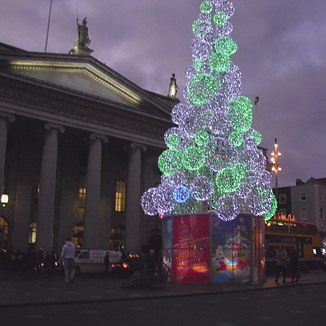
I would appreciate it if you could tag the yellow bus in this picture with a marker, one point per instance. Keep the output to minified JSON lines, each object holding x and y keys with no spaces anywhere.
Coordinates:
{"x":292,"y":235}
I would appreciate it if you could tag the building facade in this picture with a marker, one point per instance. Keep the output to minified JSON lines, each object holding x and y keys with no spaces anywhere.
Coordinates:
{"x":306,"y":201}
{"x":78,"y":146}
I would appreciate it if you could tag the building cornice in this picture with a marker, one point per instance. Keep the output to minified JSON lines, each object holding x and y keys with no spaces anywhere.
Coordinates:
{"x":44,"y":103}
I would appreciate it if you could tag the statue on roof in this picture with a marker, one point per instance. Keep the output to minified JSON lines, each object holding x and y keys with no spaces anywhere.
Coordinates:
{"x":83,"y":38}
{"x":173,"y":87}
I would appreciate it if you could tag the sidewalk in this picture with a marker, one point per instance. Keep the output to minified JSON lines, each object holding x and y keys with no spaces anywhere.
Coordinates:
{"x":31,"y":289}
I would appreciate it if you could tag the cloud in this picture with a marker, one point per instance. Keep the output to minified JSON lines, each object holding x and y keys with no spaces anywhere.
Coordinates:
{"x":281,"y":57}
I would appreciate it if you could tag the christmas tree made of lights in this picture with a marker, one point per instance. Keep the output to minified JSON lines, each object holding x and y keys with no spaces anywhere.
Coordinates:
{"x":213,"y":163}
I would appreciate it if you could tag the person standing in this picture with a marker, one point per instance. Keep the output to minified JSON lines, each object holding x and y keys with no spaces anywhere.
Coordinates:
{"x":107,"y":262}
{"x":280,"y":257}
{"x":68,"y":259}
{"x":294,"y":266}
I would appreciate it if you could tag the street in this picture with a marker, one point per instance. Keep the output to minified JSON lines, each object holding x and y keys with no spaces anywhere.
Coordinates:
{"x":282,"y":306}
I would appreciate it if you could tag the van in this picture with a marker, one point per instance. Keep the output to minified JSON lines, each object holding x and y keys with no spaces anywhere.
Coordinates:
{"x":92,"y":260}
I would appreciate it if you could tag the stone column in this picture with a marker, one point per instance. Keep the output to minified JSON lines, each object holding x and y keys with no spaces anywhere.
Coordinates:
{"x":92,"y":220}
{"x":45,"y":217}
{"x":22,"y":215}
{"x":133,"y":236}
{"x":4,"y":119}
{"x":70,"y":182}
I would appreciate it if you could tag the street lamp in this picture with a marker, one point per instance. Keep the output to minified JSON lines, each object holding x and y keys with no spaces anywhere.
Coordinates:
{"x":4,"y":199}
{"x":276,"y":168}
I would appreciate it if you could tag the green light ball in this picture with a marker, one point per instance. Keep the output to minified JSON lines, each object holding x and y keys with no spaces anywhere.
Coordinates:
{"x":226,"y":181}
{"x":201,"y":88}
{"x":242,"y":103}
{"x":201,"y":138}
{"x":170,"y":162}
{"x":173,"y":141}
{"x":226,"y":45}
{"x":240,"y":122}
{"x":220,"y":18}
{"x":220,"y":61}
{"x":239,"y":172}
{"x":240,"y":114}
{"x":206,"y":7}
{"x":193,"y":159}
{"x":236,"y":138}
{"x":256,"y":137}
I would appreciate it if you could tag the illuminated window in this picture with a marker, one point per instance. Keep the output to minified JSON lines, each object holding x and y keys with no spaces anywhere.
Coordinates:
{"x":32,"y":232}
{"x":77,"y":235}
{"x":82,"y":197}
{"x":120,"y":196}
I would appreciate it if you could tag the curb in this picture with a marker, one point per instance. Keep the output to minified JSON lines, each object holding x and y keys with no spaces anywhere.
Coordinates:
{"x":138,"y":298}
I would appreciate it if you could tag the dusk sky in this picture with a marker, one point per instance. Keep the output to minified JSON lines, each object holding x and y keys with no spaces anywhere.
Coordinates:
{"x":282,"y":50}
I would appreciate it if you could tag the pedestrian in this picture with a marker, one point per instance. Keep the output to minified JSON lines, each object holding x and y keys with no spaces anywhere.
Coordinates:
{"x":280,"y":259}
{"x":39,"y":261}
{"x":294,"y":266}
{"x":68,"y":259}
{"x":151,"y":260}
{"x":107,"y":262}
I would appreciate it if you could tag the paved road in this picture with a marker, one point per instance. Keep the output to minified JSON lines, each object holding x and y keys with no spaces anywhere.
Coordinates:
{"x":16,"y":289}
{"x":282,"y":306}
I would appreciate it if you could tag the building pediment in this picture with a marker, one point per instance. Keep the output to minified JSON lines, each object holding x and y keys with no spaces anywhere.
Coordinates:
{"x":83,"y":75}
{"x":78,"y":76}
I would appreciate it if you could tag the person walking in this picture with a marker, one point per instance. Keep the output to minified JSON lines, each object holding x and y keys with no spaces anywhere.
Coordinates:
{"x":280,"y":258}
{"x":68,"y":259}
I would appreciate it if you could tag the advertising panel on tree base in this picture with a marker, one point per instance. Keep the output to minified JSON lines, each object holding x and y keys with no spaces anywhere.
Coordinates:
{"x":200,"y":248}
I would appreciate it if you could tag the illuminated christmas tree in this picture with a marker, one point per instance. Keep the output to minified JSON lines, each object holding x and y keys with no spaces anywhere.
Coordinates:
{"x":213,"y":163}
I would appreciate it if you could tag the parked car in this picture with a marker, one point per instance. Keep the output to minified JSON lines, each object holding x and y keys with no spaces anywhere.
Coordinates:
{"x":128,"y":265}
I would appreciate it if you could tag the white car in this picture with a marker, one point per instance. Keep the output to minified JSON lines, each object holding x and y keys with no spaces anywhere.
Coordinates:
{"x":92,"y":260}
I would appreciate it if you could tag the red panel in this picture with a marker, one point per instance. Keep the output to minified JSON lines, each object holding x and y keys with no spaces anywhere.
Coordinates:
{"x":191,"y":252}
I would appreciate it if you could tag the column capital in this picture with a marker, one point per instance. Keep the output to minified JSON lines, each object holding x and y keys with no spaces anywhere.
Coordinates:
{"x":134,"y":146}
{"x":49,"y":126}
{"x":9,"y":117}
{"x":94,"y":136}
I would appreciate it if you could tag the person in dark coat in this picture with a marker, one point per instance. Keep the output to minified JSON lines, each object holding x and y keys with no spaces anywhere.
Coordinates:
{"x":294,"y":266}
{"x":151,"y":260}
{"x":107,"y":262}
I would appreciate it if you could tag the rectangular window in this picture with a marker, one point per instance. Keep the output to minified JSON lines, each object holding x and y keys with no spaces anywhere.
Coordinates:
{"x":282,"y":198}
{"x":32,"y":232}
{"x":321,"y":196}
{"x":303,"y":196}
{"x":120,"y":196}
{"x":321,"y":213}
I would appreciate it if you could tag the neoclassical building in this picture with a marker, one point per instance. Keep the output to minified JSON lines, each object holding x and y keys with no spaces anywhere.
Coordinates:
{"x":78,"y":146}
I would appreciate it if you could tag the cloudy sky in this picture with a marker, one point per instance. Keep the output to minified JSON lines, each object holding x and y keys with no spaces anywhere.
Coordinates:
{"x":282,"y":49}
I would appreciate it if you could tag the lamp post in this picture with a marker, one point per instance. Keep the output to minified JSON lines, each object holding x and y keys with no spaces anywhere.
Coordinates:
{"x":276,"y":168}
